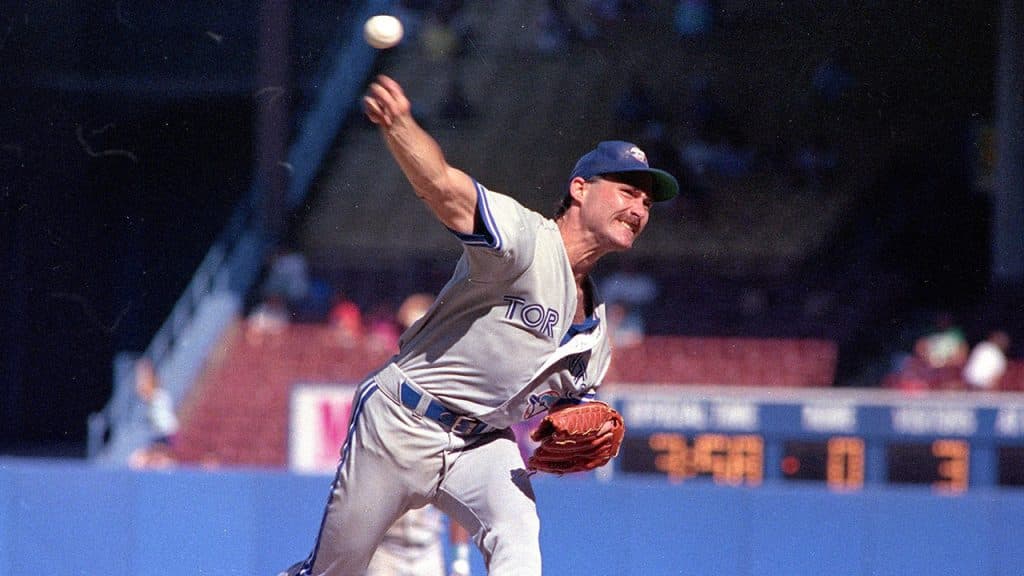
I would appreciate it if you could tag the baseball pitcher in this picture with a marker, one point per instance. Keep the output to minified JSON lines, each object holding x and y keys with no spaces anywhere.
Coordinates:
{"x":518,"y":331}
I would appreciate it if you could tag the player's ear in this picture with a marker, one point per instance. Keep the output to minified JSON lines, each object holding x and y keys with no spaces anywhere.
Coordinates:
{"x":577,"y":189}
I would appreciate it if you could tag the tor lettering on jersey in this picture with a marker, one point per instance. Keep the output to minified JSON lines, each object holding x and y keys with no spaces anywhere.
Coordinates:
{"x":534,"y":316}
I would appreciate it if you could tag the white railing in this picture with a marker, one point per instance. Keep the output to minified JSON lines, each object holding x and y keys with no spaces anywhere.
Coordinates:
{"x":216,"y":292}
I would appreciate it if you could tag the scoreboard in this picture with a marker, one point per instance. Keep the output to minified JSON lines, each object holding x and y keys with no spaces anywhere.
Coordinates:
{"x":843,"y":438}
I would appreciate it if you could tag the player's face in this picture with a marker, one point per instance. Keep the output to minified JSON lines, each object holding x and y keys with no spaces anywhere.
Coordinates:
{"x":617,"y":208}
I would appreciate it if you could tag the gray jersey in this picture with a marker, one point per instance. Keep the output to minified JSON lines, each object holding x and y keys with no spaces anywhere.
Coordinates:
{"x":499,"y":341}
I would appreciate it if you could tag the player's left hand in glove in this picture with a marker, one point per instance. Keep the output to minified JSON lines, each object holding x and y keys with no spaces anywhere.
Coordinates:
{"x":576,"y":438}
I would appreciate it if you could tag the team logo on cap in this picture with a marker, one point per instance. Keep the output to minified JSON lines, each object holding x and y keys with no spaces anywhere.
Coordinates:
{"x":638,"y":154}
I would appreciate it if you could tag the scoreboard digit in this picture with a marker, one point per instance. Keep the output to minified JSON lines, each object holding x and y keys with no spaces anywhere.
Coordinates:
{"x":942,"y":463}
{"x":837,"y":461}
{"x":725,"y":459}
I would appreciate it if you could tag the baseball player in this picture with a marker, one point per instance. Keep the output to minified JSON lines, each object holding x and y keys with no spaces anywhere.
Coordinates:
{"x":518,"y":330}
{"x":414,"y":546}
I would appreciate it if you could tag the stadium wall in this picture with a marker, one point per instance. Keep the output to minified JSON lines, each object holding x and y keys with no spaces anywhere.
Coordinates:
{"x":59,"y":517}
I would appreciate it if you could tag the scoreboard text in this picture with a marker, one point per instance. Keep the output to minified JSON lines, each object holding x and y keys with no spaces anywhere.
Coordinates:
{"x":842,"y":438}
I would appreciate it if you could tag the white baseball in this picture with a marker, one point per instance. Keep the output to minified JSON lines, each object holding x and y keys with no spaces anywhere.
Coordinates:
{"x":382,"y":31}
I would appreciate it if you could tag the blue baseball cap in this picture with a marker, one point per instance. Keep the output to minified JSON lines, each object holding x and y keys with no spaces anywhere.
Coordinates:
{"x":616,"y":156}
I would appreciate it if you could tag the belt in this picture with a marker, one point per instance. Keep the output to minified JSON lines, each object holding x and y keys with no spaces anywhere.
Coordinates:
{"x":402,"y":390}
{"x":422,"y":404}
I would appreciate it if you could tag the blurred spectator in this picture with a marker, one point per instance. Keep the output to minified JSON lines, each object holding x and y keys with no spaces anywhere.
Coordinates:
{"x":814,"y":164}
{"x":626,"y":329}
{"x":634,"y":109}
{"x":316,"y":306}
{"x":412,"y":545}
{"x":563,"y":23}
{"x":382,"y":329}
{"x":160,"y":417}
{"x":345,"y":321}
{"x":987,"y":362}
{"x":832,"y":78}
{"x":288,"y":276}
{"x":632,"y":291}
{"x":938,"y":357}
{"x":440,"y":40}
{"x":693,"y":18}
{"x":413,"y":308}
{"x":716,"y":155}
{"x":550,"y":39}
{"x":944,"y":346}
{"x":270,"y":317}
{"x":447,"y":37}
{"x":937,"y":360}
{"x":909,"y":373}
{"x":716,"y":143}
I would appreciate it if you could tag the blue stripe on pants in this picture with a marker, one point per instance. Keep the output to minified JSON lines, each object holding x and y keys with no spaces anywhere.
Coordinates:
{"x":364,"y":395}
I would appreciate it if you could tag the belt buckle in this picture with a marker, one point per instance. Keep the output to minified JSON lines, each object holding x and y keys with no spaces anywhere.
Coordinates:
{"x":464,"y":425}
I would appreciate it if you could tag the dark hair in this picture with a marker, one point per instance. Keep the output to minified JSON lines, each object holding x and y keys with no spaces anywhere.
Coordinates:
{"x":566,"y":201}
{"x":563,"y":205}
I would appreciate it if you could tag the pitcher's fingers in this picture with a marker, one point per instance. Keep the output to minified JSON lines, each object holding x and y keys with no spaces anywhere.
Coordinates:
{"x":397,"y":102}
{"x":385,"y":100}
{"x":374,"y":111}
{"x":389,"y":84}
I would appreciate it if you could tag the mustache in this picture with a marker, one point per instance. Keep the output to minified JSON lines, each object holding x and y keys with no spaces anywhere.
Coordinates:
{"x":630,"y":219}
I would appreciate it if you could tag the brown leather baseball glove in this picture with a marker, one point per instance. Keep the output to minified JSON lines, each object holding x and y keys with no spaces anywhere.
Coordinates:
{"x":577,"y":437}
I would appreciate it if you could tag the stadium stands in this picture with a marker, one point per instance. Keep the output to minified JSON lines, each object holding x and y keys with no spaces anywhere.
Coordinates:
{"x":237,"y":413}
{"x":758,"y":222}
